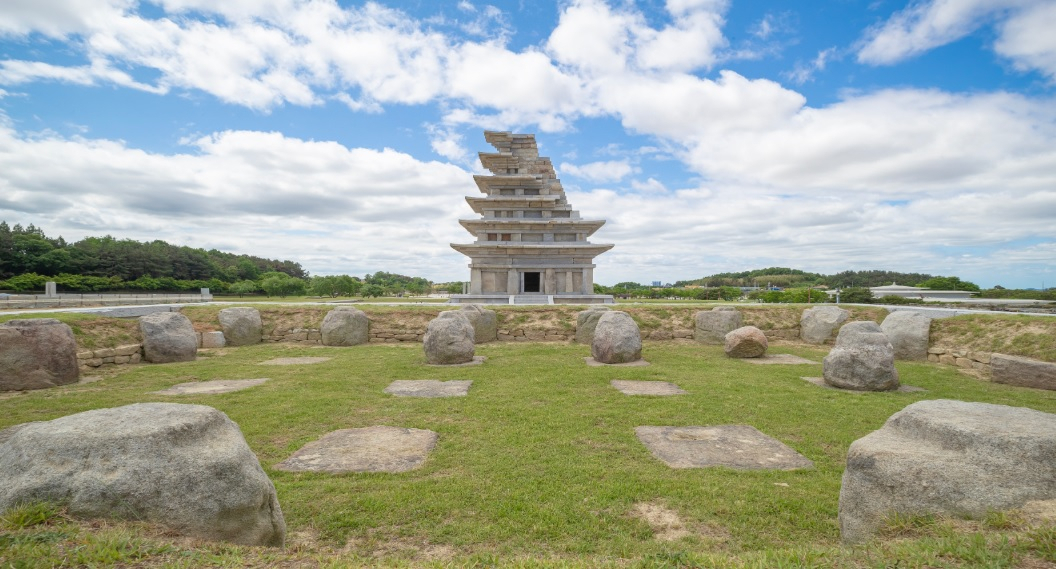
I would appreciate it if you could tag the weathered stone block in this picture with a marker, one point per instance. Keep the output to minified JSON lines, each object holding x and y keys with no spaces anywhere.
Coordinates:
{"x":1024,"y":372}
{"x":37,"y":354}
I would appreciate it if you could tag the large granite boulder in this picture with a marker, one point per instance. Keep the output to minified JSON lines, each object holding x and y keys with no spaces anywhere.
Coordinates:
{"x":712,"y":326}
{"x":168,"y":337}
{"x":1024,"y":372}
{"x":862,"y":359}
{"x":345,"y":326}
{"x":746,"y":342}
{"x":817,"y":324}
{"x":449,"y":339}
{"x":186,"y":467}
{"x":586,"y":322}
{"x":242,"y":326}
{"x":617,"y":339}
{"x":947,"y":457}
{"x":485,"y":323}
{"x":909,"y":333}
{"x":36,"y":354}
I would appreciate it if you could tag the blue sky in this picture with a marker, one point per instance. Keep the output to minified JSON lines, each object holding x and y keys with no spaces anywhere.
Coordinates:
{"x":712,"y":135}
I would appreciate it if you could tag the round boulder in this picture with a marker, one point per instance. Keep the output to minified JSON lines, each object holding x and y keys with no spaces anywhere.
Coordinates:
{"x":862,"y":359}
{"x":909,"y":333}
{"x":36,"y":354}
{"x":712,"y":326}
{"x":449,"y":339}
{"x":242,"y":326}
{"x":345,"y":326}
{"x":746,"y":342}
{"x":586,"y":322}
{"x":485,"y":323}
{"x":168,"y":337}
{"x":816,"y":324}
{"x":617,"y":339}
{"x":186,"y":467}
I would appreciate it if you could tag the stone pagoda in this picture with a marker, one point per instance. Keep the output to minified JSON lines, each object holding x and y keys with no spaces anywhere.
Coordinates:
{"x":531,"y":247}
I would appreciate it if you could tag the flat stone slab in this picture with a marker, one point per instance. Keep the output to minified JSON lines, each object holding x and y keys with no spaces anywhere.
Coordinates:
{"x":647,"y":387}
{"x":429,"y":388}
{"x":740,"y":447}
{"x":820,"y":382}
{"x":211,"y":387}
{"x":294,"y":361}
{"x":786,"y":359}
{"x":369,"y":449}
{"x":477,"y":360}
{"x":594,"y":363}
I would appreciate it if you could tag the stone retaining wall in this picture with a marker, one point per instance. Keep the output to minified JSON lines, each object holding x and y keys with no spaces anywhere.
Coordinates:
{"x":128,"y":354}
{"x":960,"y":358}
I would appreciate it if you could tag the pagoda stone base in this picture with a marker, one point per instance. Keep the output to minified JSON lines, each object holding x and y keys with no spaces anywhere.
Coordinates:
{"x":526,"y":299}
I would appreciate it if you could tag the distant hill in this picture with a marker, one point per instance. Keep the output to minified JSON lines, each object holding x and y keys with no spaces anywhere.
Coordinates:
{"x":785,"y":277}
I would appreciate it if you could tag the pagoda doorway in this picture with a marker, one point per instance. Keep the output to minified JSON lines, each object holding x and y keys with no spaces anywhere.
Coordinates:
{"x":532,"y":282}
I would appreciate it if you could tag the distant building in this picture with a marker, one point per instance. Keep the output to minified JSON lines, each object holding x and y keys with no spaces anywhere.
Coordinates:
{"x":919,"y":293}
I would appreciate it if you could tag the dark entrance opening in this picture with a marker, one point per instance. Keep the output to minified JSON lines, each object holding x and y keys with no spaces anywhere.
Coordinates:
{"x":531,"y":282}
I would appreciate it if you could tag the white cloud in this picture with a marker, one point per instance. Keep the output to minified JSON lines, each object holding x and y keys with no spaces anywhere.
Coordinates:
{"x":1027,"y":39}
{"x":923,"y":26}
{"x":1024,"y":31}
{"x":610,"y":171}
{"x":804,"y":72}
{"x":253,"y":192}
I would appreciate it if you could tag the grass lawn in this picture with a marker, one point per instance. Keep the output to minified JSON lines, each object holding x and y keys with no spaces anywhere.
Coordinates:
{"x":538,"y":466}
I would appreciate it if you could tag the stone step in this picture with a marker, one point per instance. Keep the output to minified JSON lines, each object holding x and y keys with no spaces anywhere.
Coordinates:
{"x":532,"y":299}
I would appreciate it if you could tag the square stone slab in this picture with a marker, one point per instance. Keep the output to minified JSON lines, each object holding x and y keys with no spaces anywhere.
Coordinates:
{"x":429,"y":388}
{"x":477,"y":360}
{"x":294,"y":361}
{"x":820,"y":382}
{"x":647,"y":387}
{"x":369,"y":449}
{"x":211,"y":387}
{"x":594,"y":363}
{"x":741,"y":447}
{"x":779,"y":359}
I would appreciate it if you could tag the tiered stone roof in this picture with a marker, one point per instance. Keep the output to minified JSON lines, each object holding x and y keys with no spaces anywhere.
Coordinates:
{"x":526,"y":223}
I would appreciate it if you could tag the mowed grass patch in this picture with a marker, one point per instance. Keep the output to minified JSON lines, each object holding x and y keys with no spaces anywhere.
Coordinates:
{"x":540,"y":462}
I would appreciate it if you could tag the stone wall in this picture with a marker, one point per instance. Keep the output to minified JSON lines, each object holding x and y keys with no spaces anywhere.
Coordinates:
{"x":979,"y":361}
{"x":91,"y":359}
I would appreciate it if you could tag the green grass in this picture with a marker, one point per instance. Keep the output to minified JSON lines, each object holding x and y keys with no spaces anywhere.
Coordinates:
{"x":539,"y":466}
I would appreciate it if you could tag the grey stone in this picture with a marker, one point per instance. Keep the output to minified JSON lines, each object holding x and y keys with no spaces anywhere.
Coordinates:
{"x":780,"y":359}
{"x":345,"y":326}
{"x":1024,"y":372}
{"x":909,"y":334}
{"x":862,"y":359}
{"x":449,"y":339}
{"x":712,"y":326}
{"x":369,"y":449}
{"x":430,"y":388}
{"x":817,"y":324}
{"x":36,"y":354}
{"x":746,"y":342}
{"x":186,"y":467}
{"x":660,"y":388}
{"x":586,"y":322}
{"x":741,"y":447}
{"x":617,"y":339}
{"x":168,"y":337}
{"x":211,"y":387}
{"x":949,"y":458}
{"x":213,"y":340}
{"x":302,"y":360}
{"x":242,"y":326}
{"x":485,"y":323}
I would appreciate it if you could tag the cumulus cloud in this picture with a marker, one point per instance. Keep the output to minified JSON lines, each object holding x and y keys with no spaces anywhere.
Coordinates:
{"x":1024,"y":31}
{"x":261,"y":193}
{"x":610,"y":171}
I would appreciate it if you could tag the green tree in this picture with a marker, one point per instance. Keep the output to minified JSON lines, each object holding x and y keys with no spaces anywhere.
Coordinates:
{"x":244,"y":287}
{"x":949,"y":283}
{"x":373,"y":290}
{"x":856,"y":295}
{"x":282,"y":285}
